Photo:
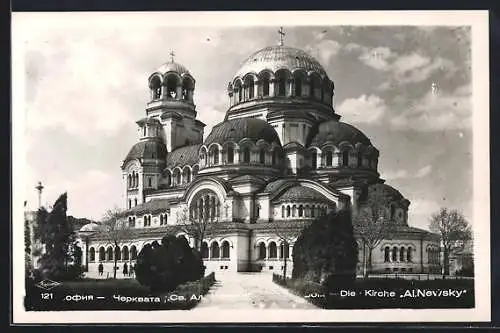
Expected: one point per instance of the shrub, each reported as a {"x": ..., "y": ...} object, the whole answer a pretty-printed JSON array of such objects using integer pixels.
[
  {"x": 163, "y": 267},
  {"x": 326, "y": 252}
]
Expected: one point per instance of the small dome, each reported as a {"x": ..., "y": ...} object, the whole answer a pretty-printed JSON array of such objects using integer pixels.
[
  {"x": 301, "y": 193},
  {"x": 90, "y": 227},
  {"x": 278, "y": 57},
  {"x": 172, "y": 67},
  {"x": 242, "y": 128},
  {"x": 335, "y": 131},
  {"x": 387, "y": 190},
  {"x": 147, "y": 149}
]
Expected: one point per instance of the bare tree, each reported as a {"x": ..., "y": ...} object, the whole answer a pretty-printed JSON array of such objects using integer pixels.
[
  {"x": 454, "y": 231},
  {"x": 286, "y": 234},
  {"x": 115, "y": 230},
  {"x": 197, "y": 226},
  {"x": 372, "y": 222}
]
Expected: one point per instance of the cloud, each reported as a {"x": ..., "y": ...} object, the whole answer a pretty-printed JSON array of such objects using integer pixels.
[
  {"x": 377, "y": 58},
  {"x": 421, "y": 173},
  {"x": 420, "y": 211},
  {"x": 410, "y": 62},
  {"x": 440, "y": 111},
  {"x": 324, "y": 50},
  {"x": 364, "y": 109},
  {"x": 392, "y": 175}
]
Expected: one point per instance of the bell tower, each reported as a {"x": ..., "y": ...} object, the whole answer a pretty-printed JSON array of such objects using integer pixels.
[{"x": 171, "y": 102}]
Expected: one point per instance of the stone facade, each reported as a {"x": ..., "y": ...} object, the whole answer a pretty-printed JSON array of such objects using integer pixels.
[{"x": 281, "y": 157}]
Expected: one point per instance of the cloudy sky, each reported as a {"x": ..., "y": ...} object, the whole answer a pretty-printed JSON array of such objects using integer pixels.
[{"x": 407, "y": 88}]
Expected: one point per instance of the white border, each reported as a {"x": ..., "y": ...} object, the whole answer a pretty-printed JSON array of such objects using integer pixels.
[{"x": 478, "y": 20}]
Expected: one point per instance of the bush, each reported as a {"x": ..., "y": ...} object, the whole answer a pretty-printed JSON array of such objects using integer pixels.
[
  {"x": 326, "y": 252},
  {"x": 163, "y": 267}
]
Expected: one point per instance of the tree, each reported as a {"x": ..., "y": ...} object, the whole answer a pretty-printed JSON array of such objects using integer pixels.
[
  {"x": 162, "y": 267},
  {"x": 454, "y": 231},
  {"x": 286, "y": 235},
  {"x": 198, "y": 227},
  {"x": 372, "y": 222},
  {"x": 115, "y": 230},
  {"x": 58, "y": 238},
  {"x": 326, "y": 251}
]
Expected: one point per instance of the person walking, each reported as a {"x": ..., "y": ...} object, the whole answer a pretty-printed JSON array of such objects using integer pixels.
[
  {"x": 132, "y": 269},
  {"x": 100, "y": 269},
  {"x": 125, "y": 269}
]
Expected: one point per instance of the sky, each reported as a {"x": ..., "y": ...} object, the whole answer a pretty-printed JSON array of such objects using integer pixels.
[{"x": 407, "y": 88}]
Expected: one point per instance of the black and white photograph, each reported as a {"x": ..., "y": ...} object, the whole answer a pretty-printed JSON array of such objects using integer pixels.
[{"x": 250, "y": 167}]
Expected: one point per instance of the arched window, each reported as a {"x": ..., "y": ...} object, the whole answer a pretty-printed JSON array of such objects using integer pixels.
[
  {"x": 360, "y": 159},
  {"x": 225, "y": 249},
  {"x": 230, "y": 154},
  {"x": 257, "y": 210},
  {"x": 313, "y": 213},
  {"x": 135, "y": 202},
  {"x": 249, "y": 83},
  {"x": 394, "y": 254},
  {"x": 287, "y": 211},
  {"x": 92, "y": 254},
  {"x": 186, "y": 175},
  {"x": 172, "y": 83},
  {"x": 150, "y": 182},
  {"x": 409, "y": 254},
  {"x": 118, "y": 253},
  {"x": 402, "y": 253},
  {"x": 215, "y": 154},
  {"x": 129, "y": 181},
  {"x": 133, "y": 252},
  {"x": 274, "y": 157},
  {"x": 265, "y": 86},
  {"x": 301, "y": 211},
  {"x": 282, "y": 211},
  {"x": 329, "y": 158},
  {"x": 161, "y": 219},
  {"x": 284, "y": 250},
  {"x": 102, "y": 254},
  {"x": 125, "y": 253},
  {"x": 129, "y": 203},
  {"x": 281, "y": 86},
  {"x": 273, "y": 250},
  {"x": 262, "y": 156},
  {"x": 215, "y": 250},
  {"x": 204, "y": 250},
  {"x": 294, "y": 211},
  {"x": 262, "y": 251},
  {"x": 387, "y": 253},
  {"x": 298, "y": 86},
  {"x": 246, "y": 155},
  {"x": 314, "y": 160},
  {"x": 345, "y": 158},
  {"x": 109, "y": 254}
]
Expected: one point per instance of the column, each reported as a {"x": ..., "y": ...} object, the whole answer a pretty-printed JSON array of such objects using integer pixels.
[
  {"x": 236, "y": 157},
  {"x": 291, "y": 90},
  {"x": 163, "y": 91},
  {"x": 336, "y": 156},
  {"x": 256, "y": 92},
  {"x": 178, "y": 92},
  {"x": 318, "y": 160},
  {"x": 220, "y": 156},
  {"x": 272, "y": 87}
]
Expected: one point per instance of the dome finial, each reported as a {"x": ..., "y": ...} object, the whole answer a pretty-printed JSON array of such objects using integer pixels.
[
  {"x": 172, "y": 55},
  {"x": 282, "y": 35}
]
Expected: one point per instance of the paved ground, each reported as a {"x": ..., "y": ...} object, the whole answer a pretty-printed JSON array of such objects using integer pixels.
[{"x": 237, "y": 291}]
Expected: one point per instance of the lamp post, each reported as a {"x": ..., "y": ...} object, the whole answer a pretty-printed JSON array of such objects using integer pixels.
[{"x": 39, "y": 188}]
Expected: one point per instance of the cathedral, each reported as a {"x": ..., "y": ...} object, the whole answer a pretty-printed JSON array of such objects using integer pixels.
[{"x": 280, "y": 158}]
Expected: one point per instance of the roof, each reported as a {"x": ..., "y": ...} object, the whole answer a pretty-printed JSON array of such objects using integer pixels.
[
  {"x": 272, "y": 186},
  {"x": 152, "y": 148},
  {"x": 90, "y": 227},
  {"x": 187, "y": 155},
  {"x": 336, "y": 132},
  {"x": 152, "y": 207},
  {"x": 172, "y": 67},
  {"x": 148, "y": 120},
  {"x": 301, "y": 193},
  {"x": 241, "y": 128},
  {"x": 245, "y": 178},
  {"x": 278, "y": 57}
]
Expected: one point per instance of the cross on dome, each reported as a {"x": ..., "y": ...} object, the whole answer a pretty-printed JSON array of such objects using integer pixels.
[
  {"x": 172, "y": 55},
  {"x": 282, "y": 35}
]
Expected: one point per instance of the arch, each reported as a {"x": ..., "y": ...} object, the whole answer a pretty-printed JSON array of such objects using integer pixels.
[
  {"x": 109, "y": 254},
  {"x": 394, "y": 254},
  {"x": 213, "y": 154},
  {"x": 186, "y": 174},
  {"x": 262, "y": 251},
  {"x": 246, "y": 154},
  {"x": 155, "y": 85},
  {"x": 387, "y": 254},
  {"x": 315, "y": 86},
  {"x": 275, "y": 157},
  {"x": 238, "y": 89},
  {"x": 402, "y": 254},
  {"x": 167, "y": 174},
  {"x": 195, "y": 170},
  {"x": 92, "y": 254},
  {"x": 102, "y": 254},
  {"x": 294, "y": 210},
  {"x": 249, "y": 87},
  {"x": 288, "y": 213},
  {"x": 177, "y": 176},
  {"x": 300, "y": 78},
  {"x": 359, "y": 156},
  {"x": 230, "y": 154},
  {"x": 172, "y": 81},
  {"x": 283, "y": 211},
  {"x": 345, "y": 158},
  {"x": 225, "y": 250},
  {"x": 118, "y": 253},
  {"x": 215, "y": 250},
  {"x": 301, "y": 211},
  {"x": 204, "y": 250},
  {"x": 187, "y": 88},
  {"x": 273, "y": 250},
  {"x": 125, "y": 253},
  {"x": 284, "y": 250},
  {"x": 282, "y": 77},
  {"x": 409, "y": 254},
  {"x": 133, "y": 252},
  {"x": 328, "y": 157},
  {"x": 314, "y": 159}
]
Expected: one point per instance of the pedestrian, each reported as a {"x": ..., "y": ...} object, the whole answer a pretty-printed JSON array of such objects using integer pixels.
[
  {"x": 101, "y": 268},
  {"x": 125, "y": 269},
  {"x": 132, "y": 269}
]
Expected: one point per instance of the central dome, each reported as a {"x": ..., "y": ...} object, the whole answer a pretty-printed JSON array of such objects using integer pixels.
[
  {"x": 274, "y": 58},
  {"x": 172, "y": 67}
]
